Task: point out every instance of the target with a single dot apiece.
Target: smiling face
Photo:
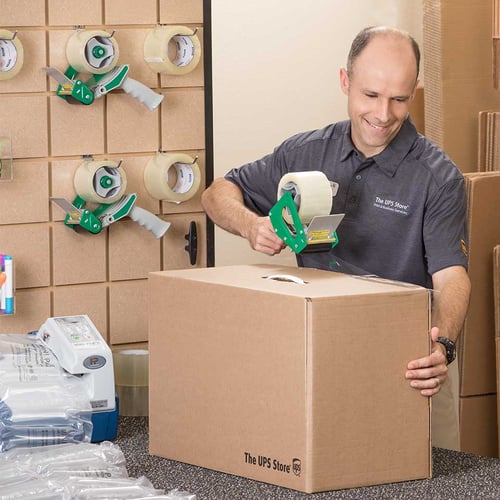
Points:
(380, 87)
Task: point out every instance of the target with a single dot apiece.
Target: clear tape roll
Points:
(174, 50)
(92, 51)
(162, 185)
(311, 192)
(100, 181)
(131, 367)
(11, 55)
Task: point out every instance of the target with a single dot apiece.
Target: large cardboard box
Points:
(477, 341)
(295, 384)
(478, 416)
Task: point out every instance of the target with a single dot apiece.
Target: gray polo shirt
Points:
(405, 208)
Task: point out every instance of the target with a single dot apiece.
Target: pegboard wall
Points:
(60, 271)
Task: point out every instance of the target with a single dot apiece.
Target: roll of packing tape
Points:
(100, 181)
(172, 177)
(11, 55)
(92, 51)
(311, 192)
(131, 367)
(174, 50)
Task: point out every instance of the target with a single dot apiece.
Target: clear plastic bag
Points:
(174, 494)
(30, 471)
(52, 398)
(94, 489)
(77, 471)
(12, 473)
(34, 489)
(38, 458)
(90, 467)
(40, 404)
(24, 359)
(44, 432)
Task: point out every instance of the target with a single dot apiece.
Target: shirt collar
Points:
(392, 156)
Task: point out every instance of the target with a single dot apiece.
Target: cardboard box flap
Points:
(291, 281)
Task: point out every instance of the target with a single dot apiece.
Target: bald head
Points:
(365, 36)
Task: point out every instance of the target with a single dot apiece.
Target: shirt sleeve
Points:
(445, 227)
(259, 181)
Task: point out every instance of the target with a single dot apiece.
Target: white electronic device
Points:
(81, 350)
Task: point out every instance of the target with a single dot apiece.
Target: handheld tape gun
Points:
(81, 350)
(96, 52)
(103, 183)
(301, 216)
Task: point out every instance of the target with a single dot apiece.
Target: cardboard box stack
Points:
(477, 342)
(489, 141)
(459, 87)
(457, 49)
(289, 376)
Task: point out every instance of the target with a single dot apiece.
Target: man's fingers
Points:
(428, 387)
(417, 364)
(264, 239)
(268, 243)
(427, 371)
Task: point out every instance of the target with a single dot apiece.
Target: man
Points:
(379, 161)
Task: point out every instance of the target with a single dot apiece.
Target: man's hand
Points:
(223, 202)
(428, 373)
(263, 238)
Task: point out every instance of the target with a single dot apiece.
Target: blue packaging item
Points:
(6, 284)
(105, 424)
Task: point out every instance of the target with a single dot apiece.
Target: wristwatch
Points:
(449, 345)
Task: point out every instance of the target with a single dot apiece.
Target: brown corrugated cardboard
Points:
(299, 385)
(478, 425)
(417, 110)
(496, 294)
(478, 337)
(457, 60)
(498, 392)
(496, 289)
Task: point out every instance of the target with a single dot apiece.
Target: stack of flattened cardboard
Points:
(478, 414)
(496, 293)
(458, 74)
(496, 43)
(489, 141)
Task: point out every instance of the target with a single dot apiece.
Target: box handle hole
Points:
(288, 278)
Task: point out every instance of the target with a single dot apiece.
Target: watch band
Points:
(449, 345)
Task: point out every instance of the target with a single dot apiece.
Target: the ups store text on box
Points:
(295, 384)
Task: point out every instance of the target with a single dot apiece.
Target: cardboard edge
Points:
(497, 341)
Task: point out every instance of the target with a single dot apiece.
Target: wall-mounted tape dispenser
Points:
(81, 350)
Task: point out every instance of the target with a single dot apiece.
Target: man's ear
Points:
(344, 81)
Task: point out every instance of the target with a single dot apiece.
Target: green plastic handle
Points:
(297, 242)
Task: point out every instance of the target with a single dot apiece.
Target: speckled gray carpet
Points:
(456, 475)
